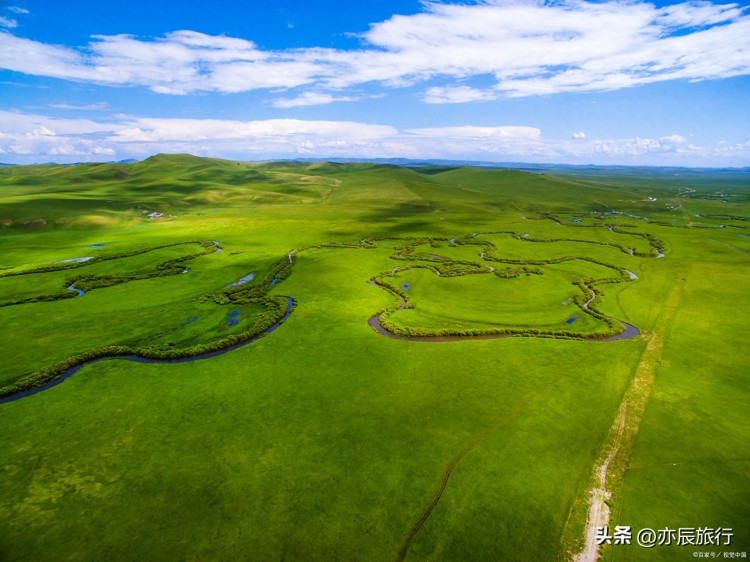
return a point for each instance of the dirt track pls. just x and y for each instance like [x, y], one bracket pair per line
[609, 471]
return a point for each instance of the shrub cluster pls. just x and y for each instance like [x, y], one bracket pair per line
[275, 308]
[511, 272]
[108, 257]
[52, 372]
[40, 298]
[88, 282]
[586, 285]
[657, 245]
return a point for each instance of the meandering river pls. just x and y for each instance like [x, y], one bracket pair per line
[374, 322]
[138, 359]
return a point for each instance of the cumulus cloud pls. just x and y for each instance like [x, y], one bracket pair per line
[39, 138]
[457, 94]
[579, 135]
[149, 129]
[8, 22]
[673, 139]
[181, 62]
[473, 132]
[534, 48]
[310, 98]
[16, 123]
[525, 48]
[18, 10]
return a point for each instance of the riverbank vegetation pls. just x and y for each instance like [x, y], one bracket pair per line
[323, 439]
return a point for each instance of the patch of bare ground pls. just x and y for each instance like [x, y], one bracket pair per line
[606, 479]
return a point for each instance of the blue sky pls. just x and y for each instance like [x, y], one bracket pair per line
[604, 82]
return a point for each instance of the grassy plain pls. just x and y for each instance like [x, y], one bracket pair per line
[327, 441]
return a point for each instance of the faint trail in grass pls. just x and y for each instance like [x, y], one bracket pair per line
[448, 470]
[609, 470]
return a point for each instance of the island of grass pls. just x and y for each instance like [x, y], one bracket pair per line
[323, 439]
[485, 303]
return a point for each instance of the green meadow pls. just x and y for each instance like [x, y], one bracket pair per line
[323, 439]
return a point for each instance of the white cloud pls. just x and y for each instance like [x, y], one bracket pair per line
[81, 107]
[148, 129]
[38, 138]
[541, 48]
[182, 62]
[697, 13]
[579, 135]
[525, 48]
[472, 132]
[8, 22]
[15, 123]
[673, 139]
[42, 132]
[310, 98]
[18, 10]
[32, 57]
[457, 94]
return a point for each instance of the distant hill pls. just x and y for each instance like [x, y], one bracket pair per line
[182, 183]
[551, 168]
[588, 169]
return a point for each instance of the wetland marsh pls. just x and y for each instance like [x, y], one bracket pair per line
[315, 437]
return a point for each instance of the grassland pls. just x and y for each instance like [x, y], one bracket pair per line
[326, 441]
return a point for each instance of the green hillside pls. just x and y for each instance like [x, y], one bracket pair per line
[325, 361]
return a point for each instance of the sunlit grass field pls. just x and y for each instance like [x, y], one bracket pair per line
[325, 440]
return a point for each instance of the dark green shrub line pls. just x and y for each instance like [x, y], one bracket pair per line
[493, 232]
[692, 225]
[613, 328]
[459, 268]
[248, 293]
[419, 332]
[406, 251]
[648, 220]
[279, 272]
[586, 285]
[99, 259]
[454, 268]
[561, 259]
[564, 222]
[335, 245]
[511, 272]
[728, 217]
[275, 310]
[52, 372]
[577, 240]
[652, 241]
[657, 245]
[588, 300]
[397, 292]
[40, 298]
[275, 307]
[489, 255]
[88, 282]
